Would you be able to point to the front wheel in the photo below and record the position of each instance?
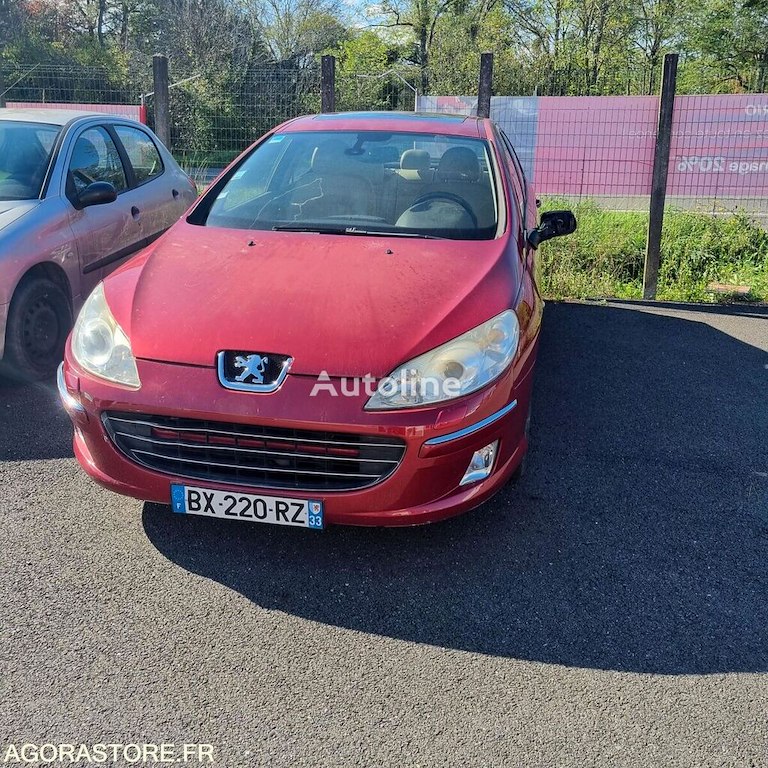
(39, 320)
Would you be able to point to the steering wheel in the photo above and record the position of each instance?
(449, 197)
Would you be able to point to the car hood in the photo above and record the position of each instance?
(346, 305)
(10, 210)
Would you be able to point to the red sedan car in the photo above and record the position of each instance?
(343, 329)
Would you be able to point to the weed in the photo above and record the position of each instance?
(604, 257)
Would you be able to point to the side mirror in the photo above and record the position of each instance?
(97, 193)
(552, 224)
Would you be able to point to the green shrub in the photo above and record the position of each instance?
(604, 257)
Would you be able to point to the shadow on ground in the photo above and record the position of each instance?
(636, 542)
(33, 423)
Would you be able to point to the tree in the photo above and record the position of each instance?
(421, 17)
(364, 61)
(546, 33)
(727, 46)
(460, 39)
(657, 31)
(295, 30)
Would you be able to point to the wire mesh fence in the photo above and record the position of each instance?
(52, 84)
(394, 90)
(576, 147)
(213, 122)
(719, 156)
(213, 118)
(632, 78)
(602, 148)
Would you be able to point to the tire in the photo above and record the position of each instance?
(39, 321)
(520, 471)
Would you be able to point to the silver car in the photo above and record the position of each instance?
(79, 193)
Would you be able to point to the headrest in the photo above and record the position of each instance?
(415, 160)
(24, 160)
(459, 164)
(328, 156)
(85, 154)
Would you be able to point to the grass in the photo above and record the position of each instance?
(604, 257)
(196, 164)
(213, 158)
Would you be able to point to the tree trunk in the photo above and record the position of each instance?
(124, 26)
(597, 48)
(100, 22)
(554, 86)
(424, 59)
(653, 64)
(762, 72)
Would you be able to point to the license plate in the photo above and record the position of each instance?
(255, 508)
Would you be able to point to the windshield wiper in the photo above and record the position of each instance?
(349, 231)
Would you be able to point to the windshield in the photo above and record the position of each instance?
(361, 182)
(25, 151)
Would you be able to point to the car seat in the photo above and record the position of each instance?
(458, 173)
(336, 185)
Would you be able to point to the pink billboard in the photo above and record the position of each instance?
(603, 146)
(719, 146)
(132, 111)
(595, 145)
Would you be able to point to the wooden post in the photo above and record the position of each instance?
(161, 98)
(659, 183)
(328, 84)
(485, 86)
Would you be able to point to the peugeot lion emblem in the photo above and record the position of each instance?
(253, 366)
(247, 371)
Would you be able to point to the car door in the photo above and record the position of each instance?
(527, 206)
(104, 234)
(159, 186)
(525, 220)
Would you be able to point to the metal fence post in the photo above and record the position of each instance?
(328, 84)
(659, 183)
(485, 86)
(161, 98)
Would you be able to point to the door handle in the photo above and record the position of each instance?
(175, 193)
(135, 212)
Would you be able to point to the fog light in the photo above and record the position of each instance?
(481, 465)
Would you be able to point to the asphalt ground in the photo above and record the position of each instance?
(610, 610)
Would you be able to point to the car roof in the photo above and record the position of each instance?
(407, 122)
(47, 116)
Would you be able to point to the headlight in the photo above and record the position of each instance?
(457, 368)
(99, 344)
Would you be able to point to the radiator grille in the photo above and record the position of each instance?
(248, 455)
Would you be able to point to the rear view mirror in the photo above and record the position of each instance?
(97, 193)
(552, 224)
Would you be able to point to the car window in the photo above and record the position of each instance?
(518, 177)
(95, 158)
(254, 183)
(25, 153)
(141, 150)
(513, 156)
(417, 184)
(46, 135)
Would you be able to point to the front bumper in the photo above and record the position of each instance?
(424, 488)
